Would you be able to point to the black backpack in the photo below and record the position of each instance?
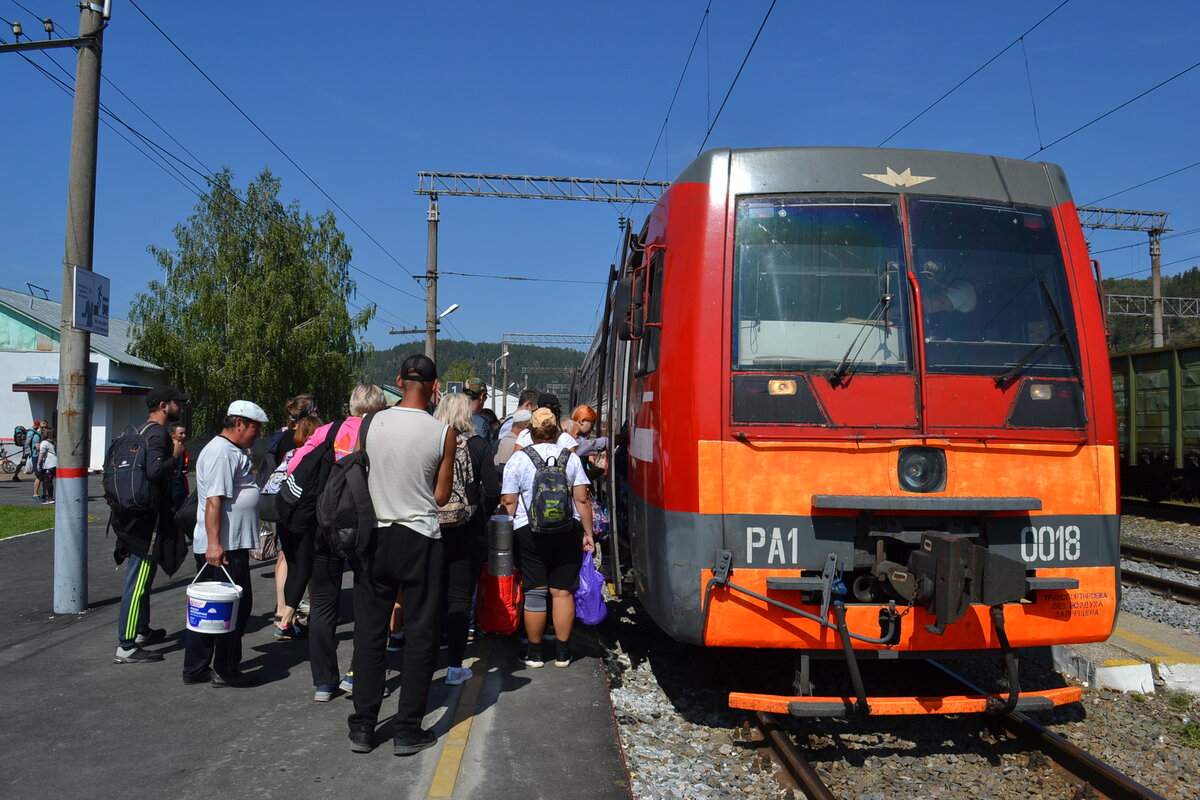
(345, 515)
(127, 488)
(553, 500)
(296, 501)
(19, 434)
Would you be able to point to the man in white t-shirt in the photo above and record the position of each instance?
(226, 530)
(412, 470)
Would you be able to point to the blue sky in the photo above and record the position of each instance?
(364, 95)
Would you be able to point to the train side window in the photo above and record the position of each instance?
(649, 349)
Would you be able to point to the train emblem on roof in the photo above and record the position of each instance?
(892, 178)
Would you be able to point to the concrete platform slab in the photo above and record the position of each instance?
(73, 724)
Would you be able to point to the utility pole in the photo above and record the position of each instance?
(1156, 286)
(74, 423)
(431, 261)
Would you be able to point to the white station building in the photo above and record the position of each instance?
(29, 360)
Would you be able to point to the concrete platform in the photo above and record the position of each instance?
(1138, 649)
(73, 724)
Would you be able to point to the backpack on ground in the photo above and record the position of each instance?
(19, 435)
(127, 487)
(459, 508)
(553, 499)
(296, 500)
(345, 515)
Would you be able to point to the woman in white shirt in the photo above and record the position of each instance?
(549, 561)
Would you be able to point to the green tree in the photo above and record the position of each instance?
(459, 371)
(252, 305)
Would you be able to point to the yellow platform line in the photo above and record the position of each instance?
(454, 747)
(1169, 654)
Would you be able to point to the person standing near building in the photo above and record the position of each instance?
(136, 536)
(48, 465)
(226, 530)
(412, 470)
(34, 440)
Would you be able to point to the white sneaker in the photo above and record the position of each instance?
(456, 676)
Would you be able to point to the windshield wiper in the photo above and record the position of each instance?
(1040, 348)
(844, 366)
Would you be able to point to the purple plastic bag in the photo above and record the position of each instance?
(589, 597)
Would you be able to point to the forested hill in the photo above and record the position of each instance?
(459, 361)
(1135, 333)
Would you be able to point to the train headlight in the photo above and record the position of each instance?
(922, 469)
(1039, 391)
(780, 386)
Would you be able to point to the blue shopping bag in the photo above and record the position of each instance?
(589, 597)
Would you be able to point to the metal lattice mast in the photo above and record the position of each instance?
(1153, 223)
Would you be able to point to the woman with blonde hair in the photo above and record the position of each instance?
(464, 530)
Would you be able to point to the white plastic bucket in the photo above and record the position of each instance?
(212, 606)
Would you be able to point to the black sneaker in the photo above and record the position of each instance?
(405, 744)
(237, 680)
(135, 655)
(362, 741)
(533, 656)
(196, 680)
(151, 636)
(563, 655)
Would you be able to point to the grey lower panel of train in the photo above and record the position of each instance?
(668, 560)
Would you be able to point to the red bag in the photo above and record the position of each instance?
(499, 608)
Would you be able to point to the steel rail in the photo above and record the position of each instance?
(1159, 558)
(789, 757)
(1163, 587)
(1168, 512)
(1103, 777)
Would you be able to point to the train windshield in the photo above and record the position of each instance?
(819, 283)
(993, 289)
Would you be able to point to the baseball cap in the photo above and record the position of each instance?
(164, 394)
(523, 415)
(244, 408)
(418, 368)
(475, 386)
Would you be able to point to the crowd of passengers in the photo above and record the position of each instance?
(415, 583)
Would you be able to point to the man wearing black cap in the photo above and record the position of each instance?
(143, 539)
(412, 469)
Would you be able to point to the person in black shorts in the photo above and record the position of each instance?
(549, 561)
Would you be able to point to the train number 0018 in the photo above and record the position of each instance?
(1048, 543)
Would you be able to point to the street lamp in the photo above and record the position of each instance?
(492, 364)
(431, 328)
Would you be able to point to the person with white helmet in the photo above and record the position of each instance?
(226, 530)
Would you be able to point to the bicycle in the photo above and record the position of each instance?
(6, 463)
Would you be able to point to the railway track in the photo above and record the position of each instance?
(1167, 512)
(1105, 780)
(1162, 587)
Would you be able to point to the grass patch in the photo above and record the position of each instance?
(1188, 733)
(15, 520)
(1179, 701)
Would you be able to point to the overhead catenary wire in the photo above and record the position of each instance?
(1115, 109)
(1144, 183)
(273, 143)
(750, 50)
(977, 70)
(515, 278)
(1147, 269)
(1142, 244)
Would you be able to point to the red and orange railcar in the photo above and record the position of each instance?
(867, 410)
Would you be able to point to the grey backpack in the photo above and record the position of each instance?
(553, 500)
